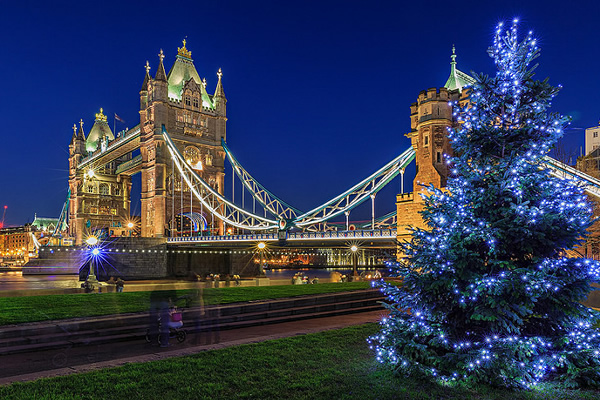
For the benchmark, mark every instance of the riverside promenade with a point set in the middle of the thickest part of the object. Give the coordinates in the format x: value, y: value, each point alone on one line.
x: 51, y: 348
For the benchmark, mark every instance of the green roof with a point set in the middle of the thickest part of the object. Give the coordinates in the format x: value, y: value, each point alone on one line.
x: 99, y: 131
x: 41, y: 222
x: 457, y: 79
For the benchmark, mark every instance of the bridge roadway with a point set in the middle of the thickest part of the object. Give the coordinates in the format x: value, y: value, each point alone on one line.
x: 377, y: 238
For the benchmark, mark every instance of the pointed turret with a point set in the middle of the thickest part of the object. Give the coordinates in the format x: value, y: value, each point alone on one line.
x: 99, y: 134
x: 161, y: 75
x: 160, y: 80
x: 144, y: 91
x: 219, y: 96
x: 74, y: 137
x: 219, y: 92
x: 80, y: 133
x: 146, y: 78
x: 457, y: 79
x: 181, y: 72
x: 78, y: 139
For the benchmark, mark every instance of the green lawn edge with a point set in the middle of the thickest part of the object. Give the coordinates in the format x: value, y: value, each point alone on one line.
x: 18, y: 310
x: 334, y: 364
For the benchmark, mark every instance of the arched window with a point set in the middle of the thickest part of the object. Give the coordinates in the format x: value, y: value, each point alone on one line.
x: 90, y: 189
x: 103, y: 189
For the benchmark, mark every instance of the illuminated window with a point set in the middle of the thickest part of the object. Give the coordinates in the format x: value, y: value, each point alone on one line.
x: 187, y: 101
x: 93, y: 210
x: 117, y: 191
x: 90, y: 189
x: 113, y: 211
x: 196, y: 103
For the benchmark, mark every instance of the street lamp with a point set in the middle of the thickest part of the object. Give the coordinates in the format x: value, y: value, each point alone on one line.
x: 261, y: 248
x: 354, y: 249
x: 91, y: 280
x: 130, y: 226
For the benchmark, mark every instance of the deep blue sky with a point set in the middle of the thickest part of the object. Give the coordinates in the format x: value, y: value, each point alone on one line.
x: 318, y: 92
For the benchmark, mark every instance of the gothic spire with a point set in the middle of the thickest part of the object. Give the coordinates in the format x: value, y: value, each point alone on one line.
x: 146, y: 78
x: 161, y: 75
x: 80, y: 133
x: 219, y: 92
x: 74, y: 133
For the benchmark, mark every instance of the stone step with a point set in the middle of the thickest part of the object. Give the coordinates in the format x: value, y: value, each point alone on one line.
x: 138, y: 325
x: 123, y: 320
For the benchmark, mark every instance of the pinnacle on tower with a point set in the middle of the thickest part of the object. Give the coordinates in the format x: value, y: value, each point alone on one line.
x: 457, y: 79
x: 219, y: 92
x: 183, y: 52
x: 146, y: 78
x: 80, y: 133
x: 161, y: 75
x: 74, y: 137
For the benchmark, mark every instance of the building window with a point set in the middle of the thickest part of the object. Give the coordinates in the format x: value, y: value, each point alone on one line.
x: 187, y: 101
x: 196, y: 103
x: 426, y: 140
x: 93, y: 210
x: 103, y: 189
x: 90, y: 189
x: 595, y: 134
x: 117, y: 191
x: 113, y: 211
x: 439, y: 157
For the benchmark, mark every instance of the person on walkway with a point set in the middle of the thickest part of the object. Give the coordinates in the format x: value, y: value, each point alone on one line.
x: 120, y: 283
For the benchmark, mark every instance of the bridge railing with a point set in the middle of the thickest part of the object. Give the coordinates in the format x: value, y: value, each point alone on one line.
x: 292, y: 236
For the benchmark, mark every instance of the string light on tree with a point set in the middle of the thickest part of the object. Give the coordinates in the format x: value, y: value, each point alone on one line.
x: 488, y: 295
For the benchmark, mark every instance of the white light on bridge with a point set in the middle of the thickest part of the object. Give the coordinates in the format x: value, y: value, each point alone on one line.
x: 91, y: 240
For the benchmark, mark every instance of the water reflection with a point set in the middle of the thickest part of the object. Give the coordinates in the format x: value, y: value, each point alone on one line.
x: 15, y: 280
x: 321, y: 273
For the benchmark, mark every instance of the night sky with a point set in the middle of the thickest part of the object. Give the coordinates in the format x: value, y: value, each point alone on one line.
x: 318, y: 92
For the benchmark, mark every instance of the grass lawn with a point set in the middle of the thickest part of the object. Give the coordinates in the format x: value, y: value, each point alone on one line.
x: 16, y: 310
x: 330, y: 365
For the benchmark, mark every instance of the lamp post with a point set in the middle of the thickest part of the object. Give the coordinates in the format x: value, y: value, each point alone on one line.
x: 92, y: 281
x: 261, y: 248
x: 354, y: 249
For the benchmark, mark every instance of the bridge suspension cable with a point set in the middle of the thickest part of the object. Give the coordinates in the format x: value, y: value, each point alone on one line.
x: 358, y: 193
x: 214, y: 202
x: 264, y: 197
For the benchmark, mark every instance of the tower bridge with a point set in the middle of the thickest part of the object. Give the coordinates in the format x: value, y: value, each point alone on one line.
x: 180, y: 149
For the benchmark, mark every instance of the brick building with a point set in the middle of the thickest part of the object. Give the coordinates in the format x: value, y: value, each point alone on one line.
x: 430, y: 118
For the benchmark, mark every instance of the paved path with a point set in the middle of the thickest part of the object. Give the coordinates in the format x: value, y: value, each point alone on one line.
x: 31, y: 366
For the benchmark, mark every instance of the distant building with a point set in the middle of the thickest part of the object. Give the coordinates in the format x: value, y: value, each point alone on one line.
x: 592, y: 139
x: 20, y: 243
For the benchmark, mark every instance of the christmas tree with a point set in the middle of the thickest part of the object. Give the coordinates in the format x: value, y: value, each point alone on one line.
x: 488, y: 294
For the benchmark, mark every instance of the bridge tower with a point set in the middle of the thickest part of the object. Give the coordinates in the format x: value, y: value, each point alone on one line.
x: 196, y: 122
x: 430, y: 119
